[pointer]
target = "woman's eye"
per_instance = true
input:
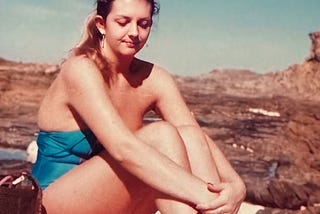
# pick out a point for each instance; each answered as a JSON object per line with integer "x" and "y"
{"x": 144, "y": 24}
{"x": 122, "y": 22}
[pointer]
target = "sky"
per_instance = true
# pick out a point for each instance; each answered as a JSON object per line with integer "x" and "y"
{"x": 189, "y": 37}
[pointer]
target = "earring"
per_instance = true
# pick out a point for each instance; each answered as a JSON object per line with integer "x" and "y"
{"x": 102, "y": 40}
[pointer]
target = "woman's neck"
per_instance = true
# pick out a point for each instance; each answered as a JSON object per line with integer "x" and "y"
{"x": 119, "y": 64}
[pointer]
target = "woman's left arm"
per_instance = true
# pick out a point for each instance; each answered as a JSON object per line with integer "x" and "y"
{"x": 173, "y": 109}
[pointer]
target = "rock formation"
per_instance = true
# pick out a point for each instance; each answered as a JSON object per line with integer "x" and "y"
{"x": 315, "y": 46}
{"x": 266, "y": 124}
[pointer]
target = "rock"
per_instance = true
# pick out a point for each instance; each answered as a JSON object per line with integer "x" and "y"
{"x": 22, "y": 87}
{"x": 267, "y": 125}
{"x": 9, "y": 167}
{"x": 315, "y": 46}
{"x": 52, "y": 69}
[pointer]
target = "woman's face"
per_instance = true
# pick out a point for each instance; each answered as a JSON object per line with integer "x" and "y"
{"x": 128, "y": 26}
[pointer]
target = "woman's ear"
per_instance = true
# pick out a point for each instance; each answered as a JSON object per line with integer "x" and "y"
{"x": 100, "y": 24}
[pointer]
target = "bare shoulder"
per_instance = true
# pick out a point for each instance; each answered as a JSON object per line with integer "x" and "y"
{"x": 162, "y": 78}
{"x": 79, "y": 70}
{"x": 77, "y": 66}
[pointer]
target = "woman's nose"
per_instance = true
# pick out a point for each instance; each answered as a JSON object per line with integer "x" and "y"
{"x": 133, "y": 31}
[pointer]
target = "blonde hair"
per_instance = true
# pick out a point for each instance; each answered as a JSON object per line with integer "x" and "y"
{"x": 89, "y": 45}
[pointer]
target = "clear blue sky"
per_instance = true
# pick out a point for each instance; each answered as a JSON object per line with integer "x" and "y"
{"x": 190, "y": 37}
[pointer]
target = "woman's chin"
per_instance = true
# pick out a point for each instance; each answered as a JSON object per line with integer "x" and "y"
{"x": 130, "y": 51}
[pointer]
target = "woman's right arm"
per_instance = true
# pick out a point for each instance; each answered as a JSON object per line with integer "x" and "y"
{"x": 87, "y": 94}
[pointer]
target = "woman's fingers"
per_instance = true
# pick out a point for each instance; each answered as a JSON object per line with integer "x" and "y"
{"x": 220, "y": 210}
{"x": 218, "y": 202}
{"x": 216, "y": 188}
{"x": 221, "y": 204}
{"x": 211, "y": 205}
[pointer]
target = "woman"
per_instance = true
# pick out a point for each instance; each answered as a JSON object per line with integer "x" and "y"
{"x": 101, "y": 95}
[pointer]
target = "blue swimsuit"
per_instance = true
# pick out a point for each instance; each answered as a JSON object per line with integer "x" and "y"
{"x": 59, "y": 152}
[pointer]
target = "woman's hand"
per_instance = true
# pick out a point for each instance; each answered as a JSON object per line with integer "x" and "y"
{"x": 231, "y": 195}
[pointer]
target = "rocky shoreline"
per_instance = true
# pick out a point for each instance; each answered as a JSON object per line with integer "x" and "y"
{"x": 266, "y": 124}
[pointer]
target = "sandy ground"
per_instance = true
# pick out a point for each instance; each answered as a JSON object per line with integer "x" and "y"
{"x": 246, "y": 208}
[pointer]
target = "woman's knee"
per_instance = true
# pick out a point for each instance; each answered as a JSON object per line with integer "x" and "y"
{"x": 159, "y": 133}
{"x": 166, "y": 139}
{"x": 191, "y": 133}
{"x": 163, "y": 129}
{"x": 193, "y": 136}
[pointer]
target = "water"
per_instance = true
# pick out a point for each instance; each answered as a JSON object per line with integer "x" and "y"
{"x": 12, "y": 154}
{"x": 273, "y": 169}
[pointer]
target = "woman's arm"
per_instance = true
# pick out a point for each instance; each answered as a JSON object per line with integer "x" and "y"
{"x": 174, "y": 110}
{"x": 87, "y": 94}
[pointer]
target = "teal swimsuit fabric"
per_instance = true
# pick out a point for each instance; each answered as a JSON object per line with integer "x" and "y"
{"x": 59, "y": 152}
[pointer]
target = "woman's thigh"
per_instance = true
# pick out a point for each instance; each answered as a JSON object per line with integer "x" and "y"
{"x": 101, "y": 185}
{"x": 165, "y": 138}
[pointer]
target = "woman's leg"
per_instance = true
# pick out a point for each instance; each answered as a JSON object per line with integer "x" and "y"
{"x": 101, "y": 185}
{"x": 189, "y": 143}
{"x": 199, "y": 153}
{"x": 166, "y": 139}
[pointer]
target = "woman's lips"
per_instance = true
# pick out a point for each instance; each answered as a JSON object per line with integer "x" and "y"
{"x": 131, "y": 44}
